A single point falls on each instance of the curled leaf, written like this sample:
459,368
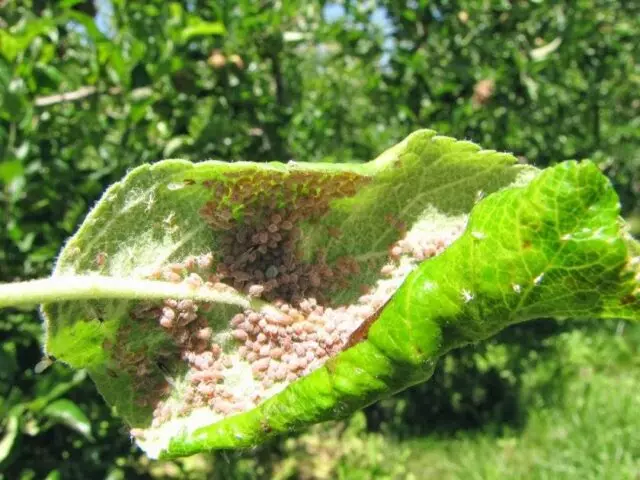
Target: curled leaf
226,303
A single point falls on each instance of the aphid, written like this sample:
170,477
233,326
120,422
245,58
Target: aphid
240,335
171,276
261,365
256,290
264,351
101,258
276,352
206,376
194,281
237,319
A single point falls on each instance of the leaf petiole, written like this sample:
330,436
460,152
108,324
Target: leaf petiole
93,287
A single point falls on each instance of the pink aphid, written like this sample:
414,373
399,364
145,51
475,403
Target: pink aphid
276,353
205,261
205,333
240,335
271,330
281,372
166,322
187,304
261,365
206,376
194,281
190,262
206,390
170,276
256,290
202,362
237,319
222,406
264,351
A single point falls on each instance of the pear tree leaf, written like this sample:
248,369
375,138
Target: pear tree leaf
216,304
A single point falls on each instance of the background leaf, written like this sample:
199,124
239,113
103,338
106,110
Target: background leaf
68,413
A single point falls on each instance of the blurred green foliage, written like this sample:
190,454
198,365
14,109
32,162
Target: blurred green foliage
90,89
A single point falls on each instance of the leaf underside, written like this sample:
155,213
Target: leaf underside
326,247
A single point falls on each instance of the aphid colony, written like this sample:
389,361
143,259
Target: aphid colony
265,349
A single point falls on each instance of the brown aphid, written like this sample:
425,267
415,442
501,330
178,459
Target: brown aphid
101,258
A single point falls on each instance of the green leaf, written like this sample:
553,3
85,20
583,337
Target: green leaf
67,413
56,392
10,170
10,439
197,27
317,289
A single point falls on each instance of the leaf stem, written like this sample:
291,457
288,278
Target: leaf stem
84,287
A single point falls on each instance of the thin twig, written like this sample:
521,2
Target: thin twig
79,94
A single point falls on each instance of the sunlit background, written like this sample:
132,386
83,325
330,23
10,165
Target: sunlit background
90,89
